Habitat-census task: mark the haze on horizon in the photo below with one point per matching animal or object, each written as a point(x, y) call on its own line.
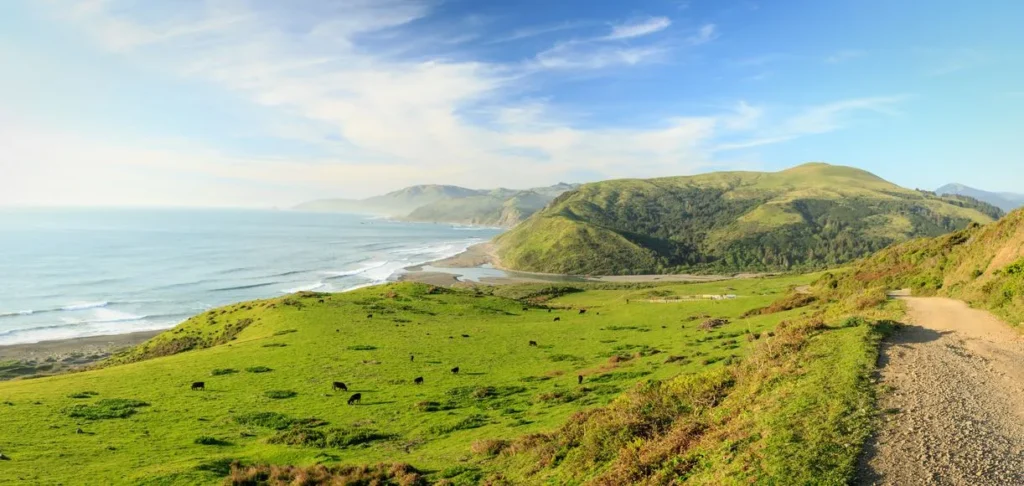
point(261, 103)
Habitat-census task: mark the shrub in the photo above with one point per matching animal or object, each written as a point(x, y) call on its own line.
point(258, 369)
point(285, 331)
point(108, 408)
point(270, 420)
point(362, 347)
point(84, 394)
point(557, 358)
point(213, 441)
point(223, 371)
point(380, 474)
point(488, 447)
point(279, 394)
point(854, 321)
point(274, 345)
point(470, 422)
point(331, 438)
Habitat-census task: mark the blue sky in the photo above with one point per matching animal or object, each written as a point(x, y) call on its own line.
point(263, 103)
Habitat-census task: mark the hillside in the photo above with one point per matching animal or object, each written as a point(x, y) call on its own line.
point(1007, 201)
point(982, 265)
point(448, 204)
point(656, 375)
point(809, 216)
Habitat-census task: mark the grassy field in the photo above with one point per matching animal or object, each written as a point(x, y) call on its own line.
point(268, 368)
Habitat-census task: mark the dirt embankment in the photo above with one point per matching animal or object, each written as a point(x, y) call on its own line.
point(953, 400)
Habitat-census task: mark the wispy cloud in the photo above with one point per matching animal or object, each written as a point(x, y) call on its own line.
point(705, 34)
point(384, 120)
point(844, 55)
point(639, 28)
point(956, 60)
point(536, 31)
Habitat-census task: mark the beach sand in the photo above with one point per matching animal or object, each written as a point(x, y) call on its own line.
point(51, 357)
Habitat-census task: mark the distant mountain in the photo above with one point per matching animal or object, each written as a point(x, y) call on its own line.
point(1007, 201)
point(810, 216)
point(449, 204)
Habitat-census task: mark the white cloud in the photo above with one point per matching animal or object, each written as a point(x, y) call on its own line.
point(639, 28)
point(705, 34)
point(384, 121)
point(844, 55)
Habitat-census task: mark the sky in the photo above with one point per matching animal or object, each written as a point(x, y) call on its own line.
point(266, 103)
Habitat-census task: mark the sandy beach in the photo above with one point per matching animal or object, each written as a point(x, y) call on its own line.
point(50, 357)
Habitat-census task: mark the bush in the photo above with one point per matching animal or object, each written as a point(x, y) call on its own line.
point(854, 321)
point(108, 408)
point(212, 441)
point(488, 447)
point(223, 371)
point(270, 420)
point(84, 394)
point(259, 369)
point(470, 422)
point(380, 474)
point(279, 394)
point(362, 347)
point(331, 438)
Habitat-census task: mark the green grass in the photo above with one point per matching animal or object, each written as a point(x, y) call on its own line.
point(505, 388)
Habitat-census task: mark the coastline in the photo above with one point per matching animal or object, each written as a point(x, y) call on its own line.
point(61, 355)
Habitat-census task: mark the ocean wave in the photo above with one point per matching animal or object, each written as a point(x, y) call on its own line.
point(104, 316)
point(244, 287)
point(349, 273)
point(84, 306)
point(17, 313)
point(305, 288)
point(72, 331)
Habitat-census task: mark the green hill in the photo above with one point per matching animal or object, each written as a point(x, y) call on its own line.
point(268, 368)
point(982, 265)
point(809, 216)
point(449, 204)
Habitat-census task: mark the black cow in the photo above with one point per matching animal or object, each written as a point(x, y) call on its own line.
point(369, 316)
point(583, 311)
point(533, 343)
point(355, 398)
point(412, 358)
point(558, 319)
point(465, 335)
point(525, 309)
point(340, 386)
point(455, 370)
point(579, 379)
point(418, 380)
point(199, 385)
point(549, 310)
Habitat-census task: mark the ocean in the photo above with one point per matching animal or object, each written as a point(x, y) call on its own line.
point(75, 273)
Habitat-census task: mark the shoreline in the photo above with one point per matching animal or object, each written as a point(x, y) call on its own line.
point(63, 355)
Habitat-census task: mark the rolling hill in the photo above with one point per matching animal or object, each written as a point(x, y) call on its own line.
point(808, 216)
point(448, 204)
point(1007, 201)
point(982, 265)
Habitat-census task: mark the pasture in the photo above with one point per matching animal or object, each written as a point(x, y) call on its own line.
point(268, 378)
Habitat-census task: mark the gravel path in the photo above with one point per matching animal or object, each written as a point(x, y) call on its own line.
point(953, 400)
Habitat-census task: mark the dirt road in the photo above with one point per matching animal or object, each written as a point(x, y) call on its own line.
point(953, 396)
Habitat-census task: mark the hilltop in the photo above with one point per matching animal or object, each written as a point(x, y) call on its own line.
point(809, 216)
point(448, 204)
point(1007, 201)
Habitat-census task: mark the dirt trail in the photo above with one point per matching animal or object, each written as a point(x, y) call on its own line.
point(953, 396)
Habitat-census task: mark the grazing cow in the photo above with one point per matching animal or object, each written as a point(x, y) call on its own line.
point(412, 357)
point(579, 380)
point(455, 370)
point(583, 311)
point(451, 337)
point(525, 309)
point(358, 397)
point(418, 380)
point(340, 386)
point(549, 310)
point(321, 301)
point(199, 385)
point(465, 335)
point(533, 343)
point(558, 319)
point(369, 316)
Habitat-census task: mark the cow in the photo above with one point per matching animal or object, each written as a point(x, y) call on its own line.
point(455, 370)
point(549, 310)
point(412, 357)
point(558, 319)
point(579, 380)
point(199, 385)
point(418, 380)
point(533, 343)
point(358, 397)
point(465, 335)
point(583, 311)
point(340, 386)
point(525, 309)
point(369, 316)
